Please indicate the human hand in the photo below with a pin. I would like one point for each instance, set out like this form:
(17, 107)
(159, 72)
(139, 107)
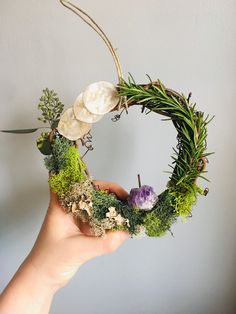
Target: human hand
(61, 247)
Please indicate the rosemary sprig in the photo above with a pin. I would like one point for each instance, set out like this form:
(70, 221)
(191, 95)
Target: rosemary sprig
(189, 158)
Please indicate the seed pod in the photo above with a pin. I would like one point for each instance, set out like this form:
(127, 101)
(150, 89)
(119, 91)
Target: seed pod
(100, 97)
(82, 114)
(72, 128)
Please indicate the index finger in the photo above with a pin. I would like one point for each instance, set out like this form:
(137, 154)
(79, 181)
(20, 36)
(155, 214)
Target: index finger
(112, 187)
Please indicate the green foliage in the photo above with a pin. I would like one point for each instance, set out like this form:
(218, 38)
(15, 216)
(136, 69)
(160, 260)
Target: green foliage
(59, 154)
(135, 217)
(102, 200)
(191, 126)
(72, 172)
(153, 225)
(43, 144)
(119, 228)
(183, 201)
(20, 131)
(159, 220)
(51, 108)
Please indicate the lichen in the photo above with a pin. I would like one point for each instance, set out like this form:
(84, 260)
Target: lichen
(78, 191)
(99, 227)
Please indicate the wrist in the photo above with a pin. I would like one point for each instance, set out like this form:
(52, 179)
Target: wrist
(36, 280)
(27, 293)
(50, 274)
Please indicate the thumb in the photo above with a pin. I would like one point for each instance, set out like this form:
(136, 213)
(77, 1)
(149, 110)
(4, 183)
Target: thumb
(54, 203)
(90, 246)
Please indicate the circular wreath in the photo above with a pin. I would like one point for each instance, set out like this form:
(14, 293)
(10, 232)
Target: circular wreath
(143, 212)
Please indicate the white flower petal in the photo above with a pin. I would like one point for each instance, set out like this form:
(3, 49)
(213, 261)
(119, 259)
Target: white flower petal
(100, 97)
(72, 128)
(82, 114)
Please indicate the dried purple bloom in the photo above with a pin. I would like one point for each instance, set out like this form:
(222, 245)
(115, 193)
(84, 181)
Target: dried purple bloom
(143, 197)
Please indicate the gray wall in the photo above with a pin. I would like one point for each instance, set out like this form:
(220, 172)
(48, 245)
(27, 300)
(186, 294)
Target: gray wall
(190, 45)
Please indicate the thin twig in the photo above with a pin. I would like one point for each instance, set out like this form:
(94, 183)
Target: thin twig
(139, 181)
(88, 20)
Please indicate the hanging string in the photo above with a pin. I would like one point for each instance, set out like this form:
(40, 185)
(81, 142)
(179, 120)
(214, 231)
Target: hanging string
(88, 20)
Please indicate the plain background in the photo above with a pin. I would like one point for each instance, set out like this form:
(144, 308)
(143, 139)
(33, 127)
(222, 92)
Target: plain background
(190, 45)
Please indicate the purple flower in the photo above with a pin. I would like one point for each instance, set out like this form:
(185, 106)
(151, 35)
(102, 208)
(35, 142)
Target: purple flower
(142, 198)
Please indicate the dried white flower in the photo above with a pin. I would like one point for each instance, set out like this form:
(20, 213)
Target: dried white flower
(100, 97)
(72, 128)
(82, 114)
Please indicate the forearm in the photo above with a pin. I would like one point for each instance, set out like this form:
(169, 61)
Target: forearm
(59, 251)
(26, 293)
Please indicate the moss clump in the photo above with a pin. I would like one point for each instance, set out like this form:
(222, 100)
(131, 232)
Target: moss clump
(59, 155)
(184, 201)
(159, 220)
(135, 217)
(153, 225)
(102, 200)
(72, 172)
(119, 228)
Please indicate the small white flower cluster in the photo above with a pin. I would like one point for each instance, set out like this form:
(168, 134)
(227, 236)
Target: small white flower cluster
(113, 215)
(90, 106)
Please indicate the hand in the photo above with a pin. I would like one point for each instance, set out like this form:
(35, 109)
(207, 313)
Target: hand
(61, 247)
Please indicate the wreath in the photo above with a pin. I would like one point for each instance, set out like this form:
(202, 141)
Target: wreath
(143, 212)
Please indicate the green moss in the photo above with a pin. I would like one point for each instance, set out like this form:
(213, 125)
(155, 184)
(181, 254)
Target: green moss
(162, 216)
(119, 228)
(171, 204)
(164, 206)
(153, 225)
(72, 172)
(59, 154)
(102, 200)
(183, 202)
(135, 217)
